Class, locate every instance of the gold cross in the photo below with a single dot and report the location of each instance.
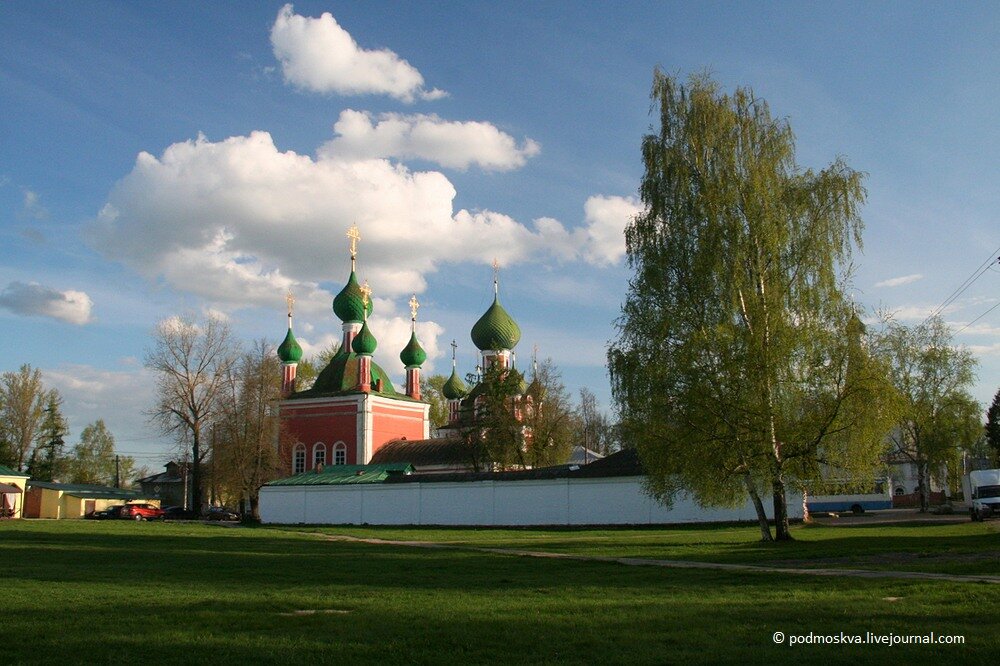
(496, 275)
(454, 351)
(290, 299)
(366, 293)
(414, 304)
(355, 235)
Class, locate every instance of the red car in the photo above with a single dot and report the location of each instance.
(142, 512)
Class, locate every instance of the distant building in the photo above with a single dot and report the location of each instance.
(47, 499)
(12, 488)
(171, 486)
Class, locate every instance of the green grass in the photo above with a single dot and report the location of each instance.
(120, 592)
(959, 548)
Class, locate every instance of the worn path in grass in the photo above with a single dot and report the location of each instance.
(668, 564)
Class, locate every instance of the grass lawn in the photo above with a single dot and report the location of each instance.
(959, 548)
(121, 592)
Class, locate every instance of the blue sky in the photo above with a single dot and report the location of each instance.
(179, 157)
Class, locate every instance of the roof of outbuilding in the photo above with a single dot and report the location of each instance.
(336, 475)
(7, 471)
(87, 490)
(424, 452)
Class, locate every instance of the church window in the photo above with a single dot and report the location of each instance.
(299, 459)
(340, 454)
(319, 454)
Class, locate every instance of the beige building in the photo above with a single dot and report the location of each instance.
(46, 499)
(12, 488)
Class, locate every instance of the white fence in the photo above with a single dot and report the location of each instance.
(602, 501)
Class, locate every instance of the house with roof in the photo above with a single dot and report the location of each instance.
(49, 499)
(173, 485)
(12, 487)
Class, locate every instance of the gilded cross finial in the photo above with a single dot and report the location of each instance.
(290, 300)
(366, 295)
(354, 234)
(454, 352)
(496, 276)
(414, 304)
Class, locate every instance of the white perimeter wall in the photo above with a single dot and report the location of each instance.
(607, 501)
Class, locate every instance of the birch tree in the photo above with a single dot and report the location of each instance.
(733, 369)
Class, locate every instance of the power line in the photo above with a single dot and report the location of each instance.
(976, 274)
(978, 318)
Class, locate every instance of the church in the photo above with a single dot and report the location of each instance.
(353, 415)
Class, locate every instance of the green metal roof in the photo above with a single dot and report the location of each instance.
(289, 351)
(7, 471)
(86, 490)
(413, 355)
(496, 329)
(340, 377)
(454, 388)
(338, 475)
(364, 342)
(349, 304)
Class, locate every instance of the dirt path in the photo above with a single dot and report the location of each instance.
(671, 564)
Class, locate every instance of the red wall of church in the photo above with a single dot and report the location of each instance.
(323, 423)
(389, 423)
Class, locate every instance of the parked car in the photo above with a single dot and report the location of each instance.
(179, 513)
(140, 512)
(220, 513)
(105, 514)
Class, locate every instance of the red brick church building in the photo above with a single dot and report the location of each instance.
(353, 410)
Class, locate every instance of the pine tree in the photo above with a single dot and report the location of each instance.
(993, 425)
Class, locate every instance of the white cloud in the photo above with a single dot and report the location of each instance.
(900, 281)
(601, 239)
(33, 299)
(985, 350)
(317, 54)
(33, 206)
(456, 145)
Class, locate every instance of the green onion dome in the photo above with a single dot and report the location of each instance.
(496, 329)
(454, 388)
(289, 351)
(364, 342)
(413, 355)
(349, 304)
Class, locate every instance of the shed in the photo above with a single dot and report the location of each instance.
(12, 487)
(49, 499)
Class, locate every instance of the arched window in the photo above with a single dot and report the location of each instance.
(299, 459)
(319, 454)
(339, 453)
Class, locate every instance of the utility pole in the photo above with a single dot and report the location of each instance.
(118, 478)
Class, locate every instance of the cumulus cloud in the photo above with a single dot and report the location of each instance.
(33, 299)
(900, 281)
(601, 239)
(456, 145)
(317, 54)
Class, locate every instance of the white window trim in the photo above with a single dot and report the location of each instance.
(298, 448)
(317, 447)
(339, 447)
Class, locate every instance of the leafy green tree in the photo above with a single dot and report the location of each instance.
(993, 426)
(547, 413)
(22, 406)
(93, 458)
(733, 370)
(939, 418)
(48, 460)
(247, 428)
(430, 392)
(491, 424)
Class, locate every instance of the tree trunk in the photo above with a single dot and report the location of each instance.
(196, 472)
(781, 532)
(923, 485)
(765, 528)
(255, 505)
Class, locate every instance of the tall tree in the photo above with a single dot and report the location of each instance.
(733, 369)
(92, 460)
(247, 427)
(22, 406)
(993, 426)
(191, 361)
(430, 392)
(48, 459)
(492, 425)
(548, 416)
(594, 429)
(940, 418)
